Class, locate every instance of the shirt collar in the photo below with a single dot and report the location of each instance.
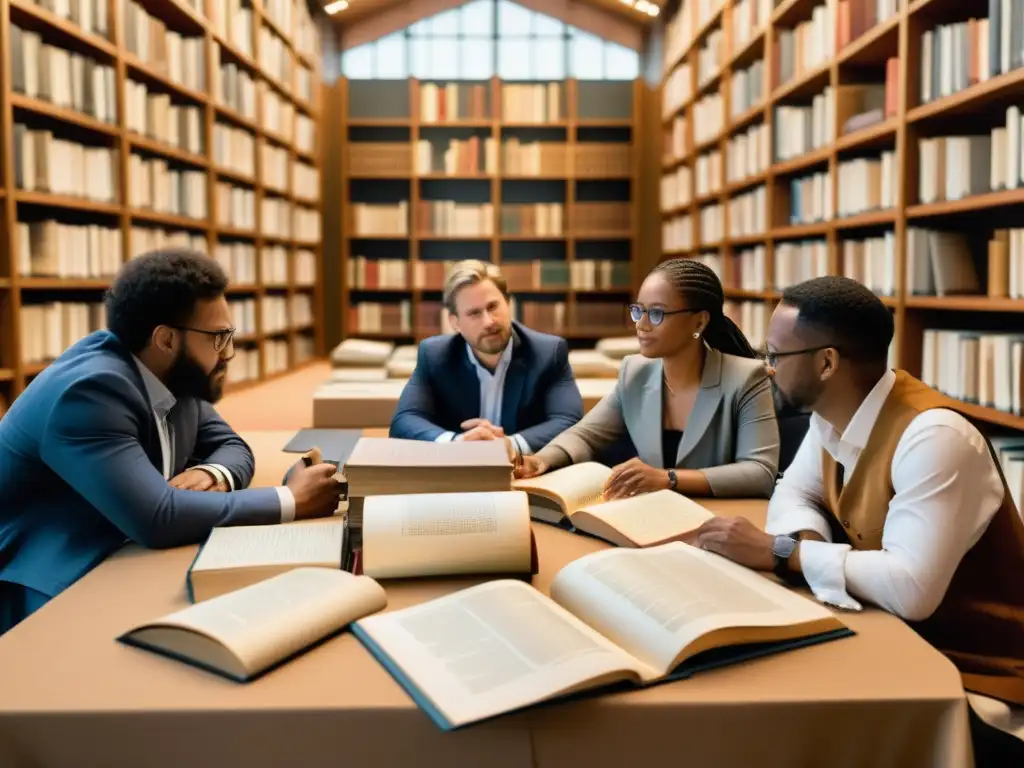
(855, 436)
(159, 395)
(503, 361)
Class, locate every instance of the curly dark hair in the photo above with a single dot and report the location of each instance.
(161, 287)
(700, 288)
(846, 313)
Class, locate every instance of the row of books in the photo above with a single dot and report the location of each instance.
(234, 149)
(977, 367)
(676, 188)
(48, 328)
(674, 147)
(284, 313)
(451, 218)
(676, 89)
(155, 115)
(69, 251)
(454, 101)
(807, 46)
(64, 78)
(747, 88)
(708, 118)
(707, 174)
(711, 57)
(867, 184)
(153, 184)
(533, 103)
(236, 208)
(748, 213)
(810, 198)
(179, 58)
(747, 154)
(958, 55)
(46, 163)
(799, 130)
(677, 234)
(238, 259)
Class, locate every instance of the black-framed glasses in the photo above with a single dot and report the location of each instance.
(772, 358)
(656, 315)
(221, 338)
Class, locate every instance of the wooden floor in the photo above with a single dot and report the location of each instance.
(281, 403)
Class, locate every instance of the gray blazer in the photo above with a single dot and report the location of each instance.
(732, 435)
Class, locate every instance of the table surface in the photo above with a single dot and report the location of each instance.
(64, 662)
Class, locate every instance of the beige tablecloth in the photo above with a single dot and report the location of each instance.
(70, 695)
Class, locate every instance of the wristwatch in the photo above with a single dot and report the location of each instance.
(783, 548)
(673, 481)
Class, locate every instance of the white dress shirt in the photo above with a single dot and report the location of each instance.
(492, 393)
(947, 489)
(162, 401)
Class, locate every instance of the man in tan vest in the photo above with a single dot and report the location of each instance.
(893, 499)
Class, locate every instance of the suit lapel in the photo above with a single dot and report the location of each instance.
(650, 416)
(467, 389)
(706, 405)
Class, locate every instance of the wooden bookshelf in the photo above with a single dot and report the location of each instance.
(389, 117)
(297, 50)
(973, 110)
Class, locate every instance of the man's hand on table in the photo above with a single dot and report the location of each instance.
(738, 539)
(198, 480)
(479, 429)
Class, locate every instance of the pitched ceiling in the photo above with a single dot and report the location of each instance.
(359, 10)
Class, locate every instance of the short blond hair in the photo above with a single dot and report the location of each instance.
(470, 272)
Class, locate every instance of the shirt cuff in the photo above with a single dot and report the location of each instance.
(284, 493)
(524, 447)
(220, 474)
(824, 568)
(445, 437)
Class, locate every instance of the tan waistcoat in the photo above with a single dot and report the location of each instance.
(979, 625)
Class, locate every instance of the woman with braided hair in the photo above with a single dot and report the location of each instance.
(696, 402)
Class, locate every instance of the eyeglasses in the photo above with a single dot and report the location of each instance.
(221, 338)
(771, 359)
(656, 315)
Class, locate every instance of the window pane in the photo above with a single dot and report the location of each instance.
(445, 58)
(357, 63)
(420, 28)
(547, 26)
(549, 58)
(478, 18)
(514, 59)
(513, 19)
(477, 58)
(587, 56)
(621, 63)
(445, 23)
(391, 62)
(419, 53)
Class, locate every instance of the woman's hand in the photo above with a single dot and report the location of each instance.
(531, 466)
(634, 477)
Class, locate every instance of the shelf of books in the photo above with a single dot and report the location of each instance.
(879, 139)
(132, 124)
(539, 178)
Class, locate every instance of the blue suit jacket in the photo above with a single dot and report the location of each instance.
(540, 399)
(79, 470)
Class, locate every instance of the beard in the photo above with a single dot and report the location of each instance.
(492, 341)
(187, 378)
(799, 400)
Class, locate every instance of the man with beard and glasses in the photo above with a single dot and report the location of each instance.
(894, 499)
(117, 440)
(493, 379)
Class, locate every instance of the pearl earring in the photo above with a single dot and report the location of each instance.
(696, 334)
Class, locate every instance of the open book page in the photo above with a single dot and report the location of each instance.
(446, 533)
(305, 543)
(642, 521)
(494, 648)
(573, 487)
(660, 604)
(268, 621)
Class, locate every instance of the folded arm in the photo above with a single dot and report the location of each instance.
(563, 404)
(219, 448)
(92, 441)
(946, 491)
(600, 428)
(416, 409)
(752, 474)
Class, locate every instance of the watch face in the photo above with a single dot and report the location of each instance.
(783, 546)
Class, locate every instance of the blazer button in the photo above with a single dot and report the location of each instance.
(846, 523)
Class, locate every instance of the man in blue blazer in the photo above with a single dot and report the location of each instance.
(493, 379)
(117, 440)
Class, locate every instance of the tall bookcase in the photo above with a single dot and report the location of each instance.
(887, 201)
(200, 124)
(540, 178)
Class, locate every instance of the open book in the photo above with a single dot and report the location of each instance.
(242, 634)
(237, 556)
(447, 533)
(620, 616)
(571, 497)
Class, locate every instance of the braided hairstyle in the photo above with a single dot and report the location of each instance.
(701, 289)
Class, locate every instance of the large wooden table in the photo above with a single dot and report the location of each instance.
(70, 695)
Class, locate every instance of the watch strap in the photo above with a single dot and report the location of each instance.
(673, 481)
